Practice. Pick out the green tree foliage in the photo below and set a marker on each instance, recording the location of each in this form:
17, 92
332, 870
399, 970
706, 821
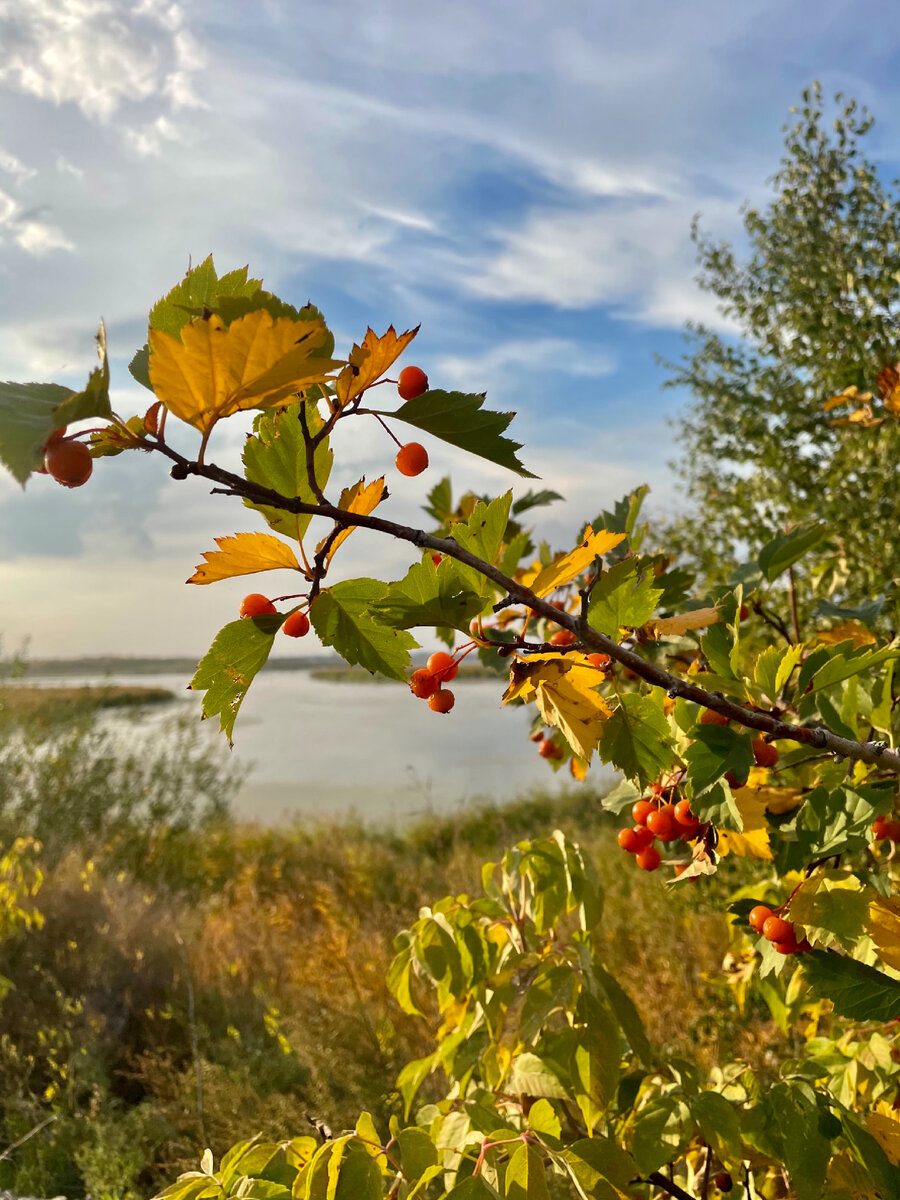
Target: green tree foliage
814, 302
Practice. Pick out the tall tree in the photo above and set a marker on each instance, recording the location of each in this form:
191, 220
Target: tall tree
815, 305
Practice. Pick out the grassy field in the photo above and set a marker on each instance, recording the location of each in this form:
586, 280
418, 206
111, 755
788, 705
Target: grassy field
42, 704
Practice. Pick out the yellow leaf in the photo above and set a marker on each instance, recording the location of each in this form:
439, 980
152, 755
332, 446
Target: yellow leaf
884, 930
357, 499
884, 1126
564, 695
753, 841
779, 800
676, 626
215, 370
578, 768
369, 361
244, 554
847, 631
888, 385
850, 395
566, 566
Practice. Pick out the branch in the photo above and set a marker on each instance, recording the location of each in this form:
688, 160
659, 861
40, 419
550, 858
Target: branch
310, 456
820, 736
668, 1186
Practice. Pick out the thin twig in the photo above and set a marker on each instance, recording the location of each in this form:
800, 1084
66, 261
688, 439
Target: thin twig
27, 1136
671, 1189
310, 445
792, 592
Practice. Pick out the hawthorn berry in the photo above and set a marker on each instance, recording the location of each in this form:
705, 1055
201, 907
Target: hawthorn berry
443, 666
641, 810
649, 859
56, 436
69, 463
709, 716
629, 840
412, 382
758, 917
412, 459
257, 605
423, 684
683, 813
661, 822
764, 752
776, 929
442, 701
644, 837
599, 660
732, 780
886, 828
563, 637
547, 749
723, 1181
296, 625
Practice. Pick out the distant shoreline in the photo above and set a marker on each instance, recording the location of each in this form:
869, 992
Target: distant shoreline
41, 668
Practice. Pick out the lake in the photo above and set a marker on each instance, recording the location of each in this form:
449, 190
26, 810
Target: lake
317, 747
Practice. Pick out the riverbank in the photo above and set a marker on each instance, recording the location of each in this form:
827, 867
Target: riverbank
41, 704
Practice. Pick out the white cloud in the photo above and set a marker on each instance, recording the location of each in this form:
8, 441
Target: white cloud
502, 366
12, 166
34, 236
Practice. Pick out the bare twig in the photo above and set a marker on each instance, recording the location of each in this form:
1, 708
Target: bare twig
27, 1136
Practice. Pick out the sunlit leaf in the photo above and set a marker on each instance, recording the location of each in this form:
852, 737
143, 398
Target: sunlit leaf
884, 929
368, 362
244, 554
229, 666
566, 567
698, 618
361, 499
275, 457
856, 990
564, 695
342, 617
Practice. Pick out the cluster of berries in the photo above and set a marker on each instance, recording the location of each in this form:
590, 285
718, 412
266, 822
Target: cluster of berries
428, 682
412, 459
886, 829
656, 816
67, 461
764, 753
256, 605
547, 746
777, 930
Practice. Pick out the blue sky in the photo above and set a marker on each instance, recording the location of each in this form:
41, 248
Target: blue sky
518, 177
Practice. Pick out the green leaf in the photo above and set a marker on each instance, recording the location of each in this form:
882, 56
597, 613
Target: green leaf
532, 499
93, 399
543, 1119
620, 600
341, 617
345, 1171
199, 289
719, 1125
460, 419
785, 549
473, 1187
228, 668
531, 1076
428, 595
718, 807
275, 457
856, 990
716, 750
842, 666
140, 366
661, 1131
482, 535
636, 737
626, 1014
412, 1077
417, 1152
806, 1151
553, 989
525, 1178
601, 1169
774, 667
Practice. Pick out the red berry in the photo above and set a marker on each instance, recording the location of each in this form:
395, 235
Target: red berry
709, 716
880, 827
789, 946
662, 822
423, 684
628, 839
723, 1181
644, 836
547, 749
256, 605
599, 660
776, 929
412, 382
442, 701
759, 916
69, 463
765, 753
641, 810
732, 780
893, 831
296, 625
537, 736
56, 436
443, 666
563, 637
649, 859
744, 612
683, 812
412, 459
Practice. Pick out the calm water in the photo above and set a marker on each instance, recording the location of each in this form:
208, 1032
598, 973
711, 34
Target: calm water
315, 747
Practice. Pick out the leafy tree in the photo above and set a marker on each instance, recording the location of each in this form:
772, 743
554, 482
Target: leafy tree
737, 733
815, 303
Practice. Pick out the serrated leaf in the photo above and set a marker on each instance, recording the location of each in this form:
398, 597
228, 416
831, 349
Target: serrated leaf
856, 990
698, 618
565, 697
429, 595
883, 927
787, 548
718, 1124
275, 457
199, 289
601, 1169
139, 366
361, 498
244, 554
531, 1076
368, 362
215, 370
341, 616
228, 668
460, 419
525, 1178
716, 750
482, 535
621, 600
636, 738
567, 567
831, 905
93, 399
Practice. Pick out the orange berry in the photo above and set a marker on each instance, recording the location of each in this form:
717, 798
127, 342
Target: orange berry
644, 837
256, 605
412, 382
547, 748
537, 736
599, 660
788, 946
442, 701
56, 436
765, 753
296, 625
662, 822
412, 459
709, 716
649, 859
759, 916
563, 637
69, 463
641, 810
683, 812
776, 929
880, 828
443, 666
629, 840
151, 418
423, 684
